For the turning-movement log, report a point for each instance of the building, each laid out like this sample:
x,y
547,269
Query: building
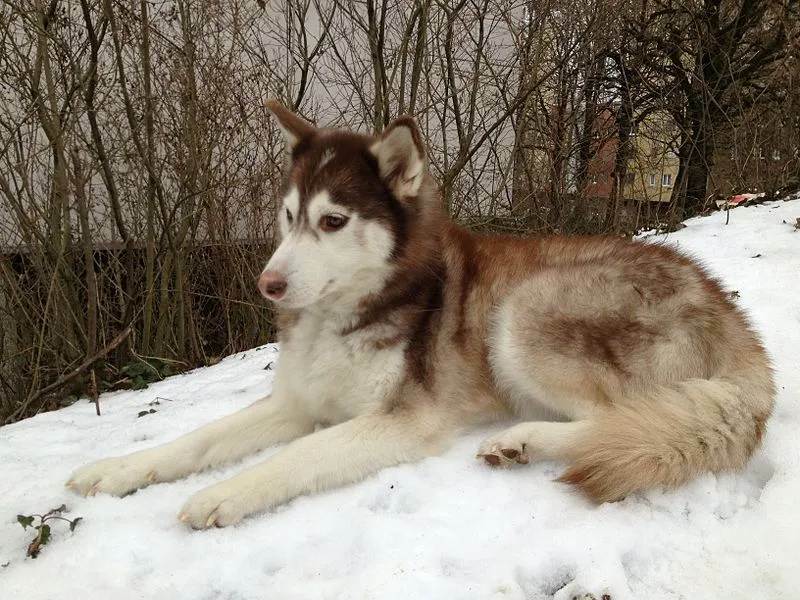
x,y
652,169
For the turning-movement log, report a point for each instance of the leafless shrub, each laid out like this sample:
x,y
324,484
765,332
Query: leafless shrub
x,y
139,168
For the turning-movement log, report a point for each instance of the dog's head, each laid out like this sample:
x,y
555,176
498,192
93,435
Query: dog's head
x,y
345,213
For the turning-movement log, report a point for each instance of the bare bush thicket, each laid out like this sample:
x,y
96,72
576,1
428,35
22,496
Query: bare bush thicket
x,y
139,168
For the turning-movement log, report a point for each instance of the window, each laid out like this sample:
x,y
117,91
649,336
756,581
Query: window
x,y
666,180
776,154
527,15
652,180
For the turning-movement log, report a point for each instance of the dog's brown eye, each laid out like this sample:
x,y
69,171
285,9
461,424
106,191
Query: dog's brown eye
x,y
332,222
289,216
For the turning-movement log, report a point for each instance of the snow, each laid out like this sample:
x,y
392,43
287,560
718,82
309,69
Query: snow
x,y
448,527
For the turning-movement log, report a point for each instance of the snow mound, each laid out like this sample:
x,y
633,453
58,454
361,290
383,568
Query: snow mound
x,y
448,527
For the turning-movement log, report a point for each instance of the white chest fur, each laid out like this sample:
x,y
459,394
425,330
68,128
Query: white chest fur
x,y
334,377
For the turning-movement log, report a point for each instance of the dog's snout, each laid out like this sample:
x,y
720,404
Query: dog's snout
x,y
272,285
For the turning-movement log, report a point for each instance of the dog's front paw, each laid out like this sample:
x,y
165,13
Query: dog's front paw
x,y
220,505
115,476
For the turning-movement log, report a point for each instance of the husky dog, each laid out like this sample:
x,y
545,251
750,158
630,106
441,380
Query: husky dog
x,y
399,329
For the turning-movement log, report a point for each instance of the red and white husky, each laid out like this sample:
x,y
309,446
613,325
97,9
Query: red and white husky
x,y
399,329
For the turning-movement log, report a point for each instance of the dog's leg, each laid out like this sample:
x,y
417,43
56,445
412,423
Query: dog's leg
x,y
263,424
332,457
532,441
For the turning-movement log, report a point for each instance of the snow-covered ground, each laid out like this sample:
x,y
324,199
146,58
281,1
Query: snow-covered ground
x,y
446,528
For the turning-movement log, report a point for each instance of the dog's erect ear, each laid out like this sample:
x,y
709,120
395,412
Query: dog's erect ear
x,y
401,157
295,129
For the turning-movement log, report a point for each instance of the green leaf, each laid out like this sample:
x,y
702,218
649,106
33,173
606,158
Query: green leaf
x,y
134,369
25,521
44,534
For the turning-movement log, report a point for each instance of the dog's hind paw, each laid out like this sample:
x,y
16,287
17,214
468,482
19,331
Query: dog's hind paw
x,y
502,452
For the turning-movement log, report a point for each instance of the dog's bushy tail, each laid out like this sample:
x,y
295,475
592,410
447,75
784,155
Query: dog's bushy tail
x,y
671,434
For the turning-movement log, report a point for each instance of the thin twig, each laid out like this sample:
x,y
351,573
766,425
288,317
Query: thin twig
x,y
69,376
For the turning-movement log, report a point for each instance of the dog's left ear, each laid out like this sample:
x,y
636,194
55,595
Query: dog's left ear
x,y
293,127
401,157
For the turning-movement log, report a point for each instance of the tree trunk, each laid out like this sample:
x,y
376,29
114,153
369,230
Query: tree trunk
x,y
697,170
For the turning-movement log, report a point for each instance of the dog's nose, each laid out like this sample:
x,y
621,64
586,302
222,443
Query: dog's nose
x,y
272,285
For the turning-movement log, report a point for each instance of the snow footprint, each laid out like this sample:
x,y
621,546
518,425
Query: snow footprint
x,y
605,581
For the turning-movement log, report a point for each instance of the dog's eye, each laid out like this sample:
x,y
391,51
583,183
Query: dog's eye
x,y
289,216
332,222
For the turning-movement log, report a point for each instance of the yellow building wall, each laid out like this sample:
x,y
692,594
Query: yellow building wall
x,y
653,167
